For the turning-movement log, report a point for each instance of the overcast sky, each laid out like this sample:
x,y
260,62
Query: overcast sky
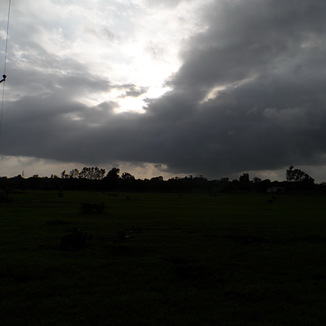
x,y
201,87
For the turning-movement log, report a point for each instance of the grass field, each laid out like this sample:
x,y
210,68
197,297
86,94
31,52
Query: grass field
x,y
162,259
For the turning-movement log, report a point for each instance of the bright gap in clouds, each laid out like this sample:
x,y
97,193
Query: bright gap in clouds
x,y
60,47
124,42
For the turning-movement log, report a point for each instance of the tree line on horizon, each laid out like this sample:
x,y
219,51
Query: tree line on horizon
x,y
95,178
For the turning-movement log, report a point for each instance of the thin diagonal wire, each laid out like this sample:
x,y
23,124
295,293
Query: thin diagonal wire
x,y
5,69
2,109
7,37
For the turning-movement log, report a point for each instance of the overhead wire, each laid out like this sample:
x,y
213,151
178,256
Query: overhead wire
x,y
7,38
5,68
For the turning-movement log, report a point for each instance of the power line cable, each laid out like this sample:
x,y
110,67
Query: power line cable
x,y
5,68
7,37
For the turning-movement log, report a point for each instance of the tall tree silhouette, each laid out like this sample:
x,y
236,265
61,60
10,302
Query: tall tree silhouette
x,y
298,175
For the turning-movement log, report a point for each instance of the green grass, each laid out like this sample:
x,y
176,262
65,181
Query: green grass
x,y
192,259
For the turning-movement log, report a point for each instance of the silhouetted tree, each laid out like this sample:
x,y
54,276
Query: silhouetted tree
x,y
113,174
92,173
244,182
64,175
127,176
244,178
157,179
257,180
297,175
74,173
54,176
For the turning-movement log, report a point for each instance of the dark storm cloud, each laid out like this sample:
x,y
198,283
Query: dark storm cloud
x,y
250,95
270,62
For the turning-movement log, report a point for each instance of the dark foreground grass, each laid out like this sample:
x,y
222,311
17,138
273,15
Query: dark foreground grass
x,y
163,259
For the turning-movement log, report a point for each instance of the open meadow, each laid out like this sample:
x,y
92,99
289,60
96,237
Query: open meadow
x,y
95,258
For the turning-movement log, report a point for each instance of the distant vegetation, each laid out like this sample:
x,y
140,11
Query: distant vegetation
x,y
185,251
94,178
